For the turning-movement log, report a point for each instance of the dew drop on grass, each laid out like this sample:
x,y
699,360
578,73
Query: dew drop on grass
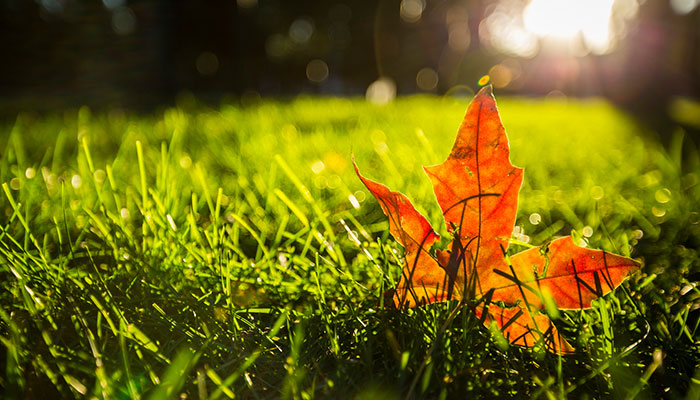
x,y
124,213
185,161
649,179
597,192
353,201
317,167
558,197
352,235
46,174
694,217
76,181
15,183
100,175
587,231
30,173
688,288
171,222
535,218
658,356
663,195
658,211
638,234
248,380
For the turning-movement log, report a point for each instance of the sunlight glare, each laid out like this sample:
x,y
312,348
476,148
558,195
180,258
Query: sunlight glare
x,y
567,19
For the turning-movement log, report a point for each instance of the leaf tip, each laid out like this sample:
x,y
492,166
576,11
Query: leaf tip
x,y
486,91
357,169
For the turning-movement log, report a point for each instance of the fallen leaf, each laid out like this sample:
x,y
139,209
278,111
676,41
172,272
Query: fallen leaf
x,y
477,189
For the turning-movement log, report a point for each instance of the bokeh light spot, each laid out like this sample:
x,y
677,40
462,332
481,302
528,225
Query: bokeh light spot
x,y
247,3
411,10
382,91
587,231
100,175
503,30
535,218
15,183
278,46
300,30
427,79
317,167
658,211
321,182
76,181
30,173
694,218
500,76
683,7
123,21
334,182
597,192
207,63
317,71
457,21
185,162
662,195
112,4
459,39
353,201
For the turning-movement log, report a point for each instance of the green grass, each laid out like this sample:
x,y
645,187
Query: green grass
x,y
232,252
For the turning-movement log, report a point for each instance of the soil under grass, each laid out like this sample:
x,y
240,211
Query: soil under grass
x,y
232,252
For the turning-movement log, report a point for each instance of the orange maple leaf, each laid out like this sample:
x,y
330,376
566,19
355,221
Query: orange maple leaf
x,y
477,189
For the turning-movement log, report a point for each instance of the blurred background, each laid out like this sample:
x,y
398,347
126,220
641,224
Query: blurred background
x,y
643,55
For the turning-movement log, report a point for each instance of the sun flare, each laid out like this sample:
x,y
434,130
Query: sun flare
x,y
567,19
579,26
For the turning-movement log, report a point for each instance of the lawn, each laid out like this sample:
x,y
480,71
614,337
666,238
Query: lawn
x,y
231,251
